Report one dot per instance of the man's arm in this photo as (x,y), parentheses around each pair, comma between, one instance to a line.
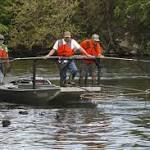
(100,51)
(84,52)
(51,52)
(101,56)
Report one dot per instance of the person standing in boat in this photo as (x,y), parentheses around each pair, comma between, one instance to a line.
(88,67)
(66,47)
(4,61)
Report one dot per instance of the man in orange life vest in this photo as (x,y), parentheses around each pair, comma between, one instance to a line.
(3,58)
(66,47)
(92,47)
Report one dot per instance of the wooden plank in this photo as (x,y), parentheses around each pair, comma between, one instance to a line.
(80,89)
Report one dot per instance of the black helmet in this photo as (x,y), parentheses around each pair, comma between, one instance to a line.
(1,37)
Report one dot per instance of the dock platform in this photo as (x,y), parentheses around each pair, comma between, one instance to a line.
(79,89)
(71,95)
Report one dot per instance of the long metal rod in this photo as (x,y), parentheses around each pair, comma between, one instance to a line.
(80,57)
(127,59)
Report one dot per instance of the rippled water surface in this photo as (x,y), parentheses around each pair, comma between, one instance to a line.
(117,122)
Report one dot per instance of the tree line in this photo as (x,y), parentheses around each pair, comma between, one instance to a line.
(123,26)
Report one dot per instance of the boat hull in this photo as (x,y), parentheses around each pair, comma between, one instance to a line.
(33,96)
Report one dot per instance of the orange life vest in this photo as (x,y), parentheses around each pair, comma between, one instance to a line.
(64,49)
(3,53)
(91,48)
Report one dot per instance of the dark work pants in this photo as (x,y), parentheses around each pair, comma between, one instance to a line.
(67,65)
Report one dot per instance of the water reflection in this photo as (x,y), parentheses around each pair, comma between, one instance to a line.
(74,128)
(119,123)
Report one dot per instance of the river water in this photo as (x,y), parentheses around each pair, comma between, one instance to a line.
(120,122)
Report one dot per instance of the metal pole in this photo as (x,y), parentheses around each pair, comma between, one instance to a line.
(34,73)
(79,57)
(98,69)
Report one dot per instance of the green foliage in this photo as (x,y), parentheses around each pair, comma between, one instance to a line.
(96,16)
(93,15)
(41,22)
(133,14)
(3,28)
(5,15)
(30,23)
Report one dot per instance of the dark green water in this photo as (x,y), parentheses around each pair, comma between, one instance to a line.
(117,122)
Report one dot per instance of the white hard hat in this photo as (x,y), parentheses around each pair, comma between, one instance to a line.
(95,37)
(1,37)
(67,34)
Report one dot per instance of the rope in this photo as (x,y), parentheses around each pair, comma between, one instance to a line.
(98,96)
(147,91)
(119,87)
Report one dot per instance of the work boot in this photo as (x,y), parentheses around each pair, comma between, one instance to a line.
(81,82)
(62,83)
(71,80)
(94,82)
